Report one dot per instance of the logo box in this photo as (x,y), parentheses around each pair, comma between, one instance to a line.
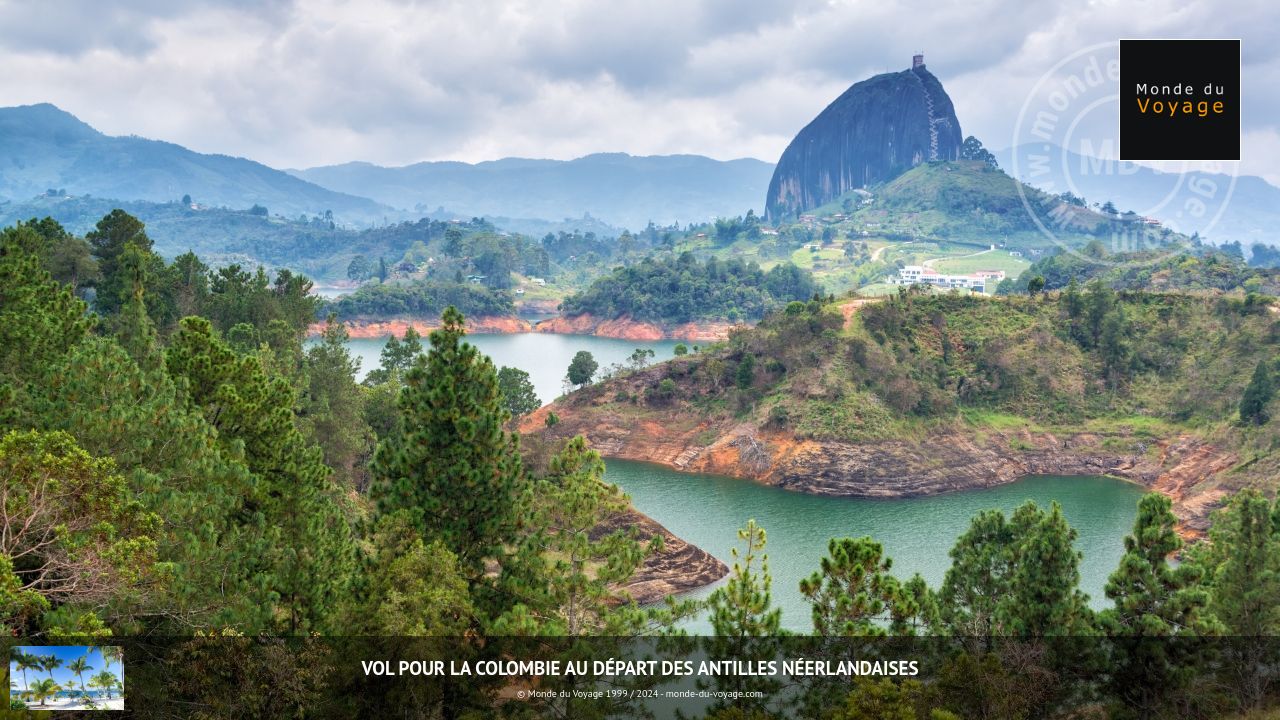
(1180,99)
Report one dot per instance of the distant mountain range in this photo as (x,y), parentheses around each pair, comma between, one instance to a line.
(43,148)
(619,189)
(1252,214)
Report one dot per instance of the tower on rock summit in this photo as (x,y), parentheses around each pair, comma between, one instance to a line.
(876,130)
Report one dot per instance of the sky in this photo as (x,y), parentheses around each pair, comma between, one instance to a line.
(62,675)
(301,83)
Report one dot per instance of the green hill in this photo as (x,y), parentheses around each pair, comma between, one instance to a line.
(921,393)
(1197,268)
(314,246)
(973,203)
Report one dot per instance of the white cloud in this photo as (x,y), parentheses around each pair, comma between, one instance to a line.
(312,82)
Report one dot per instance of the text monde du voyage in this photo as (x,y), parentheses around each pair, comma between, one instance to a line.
(1181,99)
(799,667)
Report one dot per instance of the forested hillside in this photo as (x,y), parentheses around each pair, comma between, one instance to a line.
(1197,268)
(888,368)
(422,299)
(682,289)
(178,461)
(312,244)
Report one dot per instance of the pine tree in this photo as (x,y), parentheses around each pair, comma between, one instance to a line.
(109,240)
(312,564)
(854,594)
(408,588)
(745,623)
(171,456)
(1153,599)
(1015,576)
(1043,598)
(1242,566)
(1246,577)
(40,321)
(743,606)
(1152,603)
(189,279)
(398,355)
(518,394)
(1257,395)
(585,567)
(452,467)
(133,326)
(332,409)
(982,564)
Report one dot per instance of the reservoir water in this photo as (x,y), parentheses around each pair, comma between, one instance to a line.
(544,356)
(707,510)
(917,533)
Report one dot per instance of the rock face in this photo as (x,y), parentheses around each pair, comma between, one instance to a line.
(878,129)
(627,329)
(1189,470)
(679,567)
(495,325)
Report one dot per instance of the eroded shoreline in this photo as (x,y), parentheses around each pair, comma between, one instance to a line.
(697,332)
(1187,469)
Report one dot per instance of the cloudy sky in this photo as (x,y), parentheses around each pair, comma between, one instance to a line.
(298,83)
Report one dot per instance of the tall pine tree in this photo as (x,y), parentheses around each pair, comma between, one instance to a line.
(1152,598)
(982,564)
(109,240)
(40,321)
(253,412)
(1044,599)
(1154,603)
(452,468)
(1257,395)
(745,623)
(1242,566)
(854,594)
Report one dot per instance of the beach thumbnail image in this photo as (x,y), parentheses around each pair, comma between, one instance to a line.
(66,677)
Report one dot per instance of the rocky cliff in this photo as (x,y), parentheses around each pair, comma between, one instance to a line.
(679,567)
(873,132)
(1189,470)
(627,329)
(375,328)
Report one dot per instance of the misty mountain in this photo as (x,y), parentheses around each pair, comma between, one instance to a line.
(43,147)
(1252,214)
(616,188)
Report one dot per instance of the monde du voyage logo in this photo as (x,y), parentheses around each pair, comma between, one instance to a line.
(1179,99)
(1165,112)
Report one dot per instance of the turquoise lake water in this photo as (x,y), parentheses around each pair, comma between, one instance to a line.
(708,510)
(544,356)
(916,532)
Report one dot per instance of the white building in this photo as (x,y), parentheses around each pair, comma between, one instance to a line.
(980,281)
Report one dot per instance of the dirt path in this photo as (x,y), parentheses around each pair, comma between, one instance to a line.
(875,255)
(929,263)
